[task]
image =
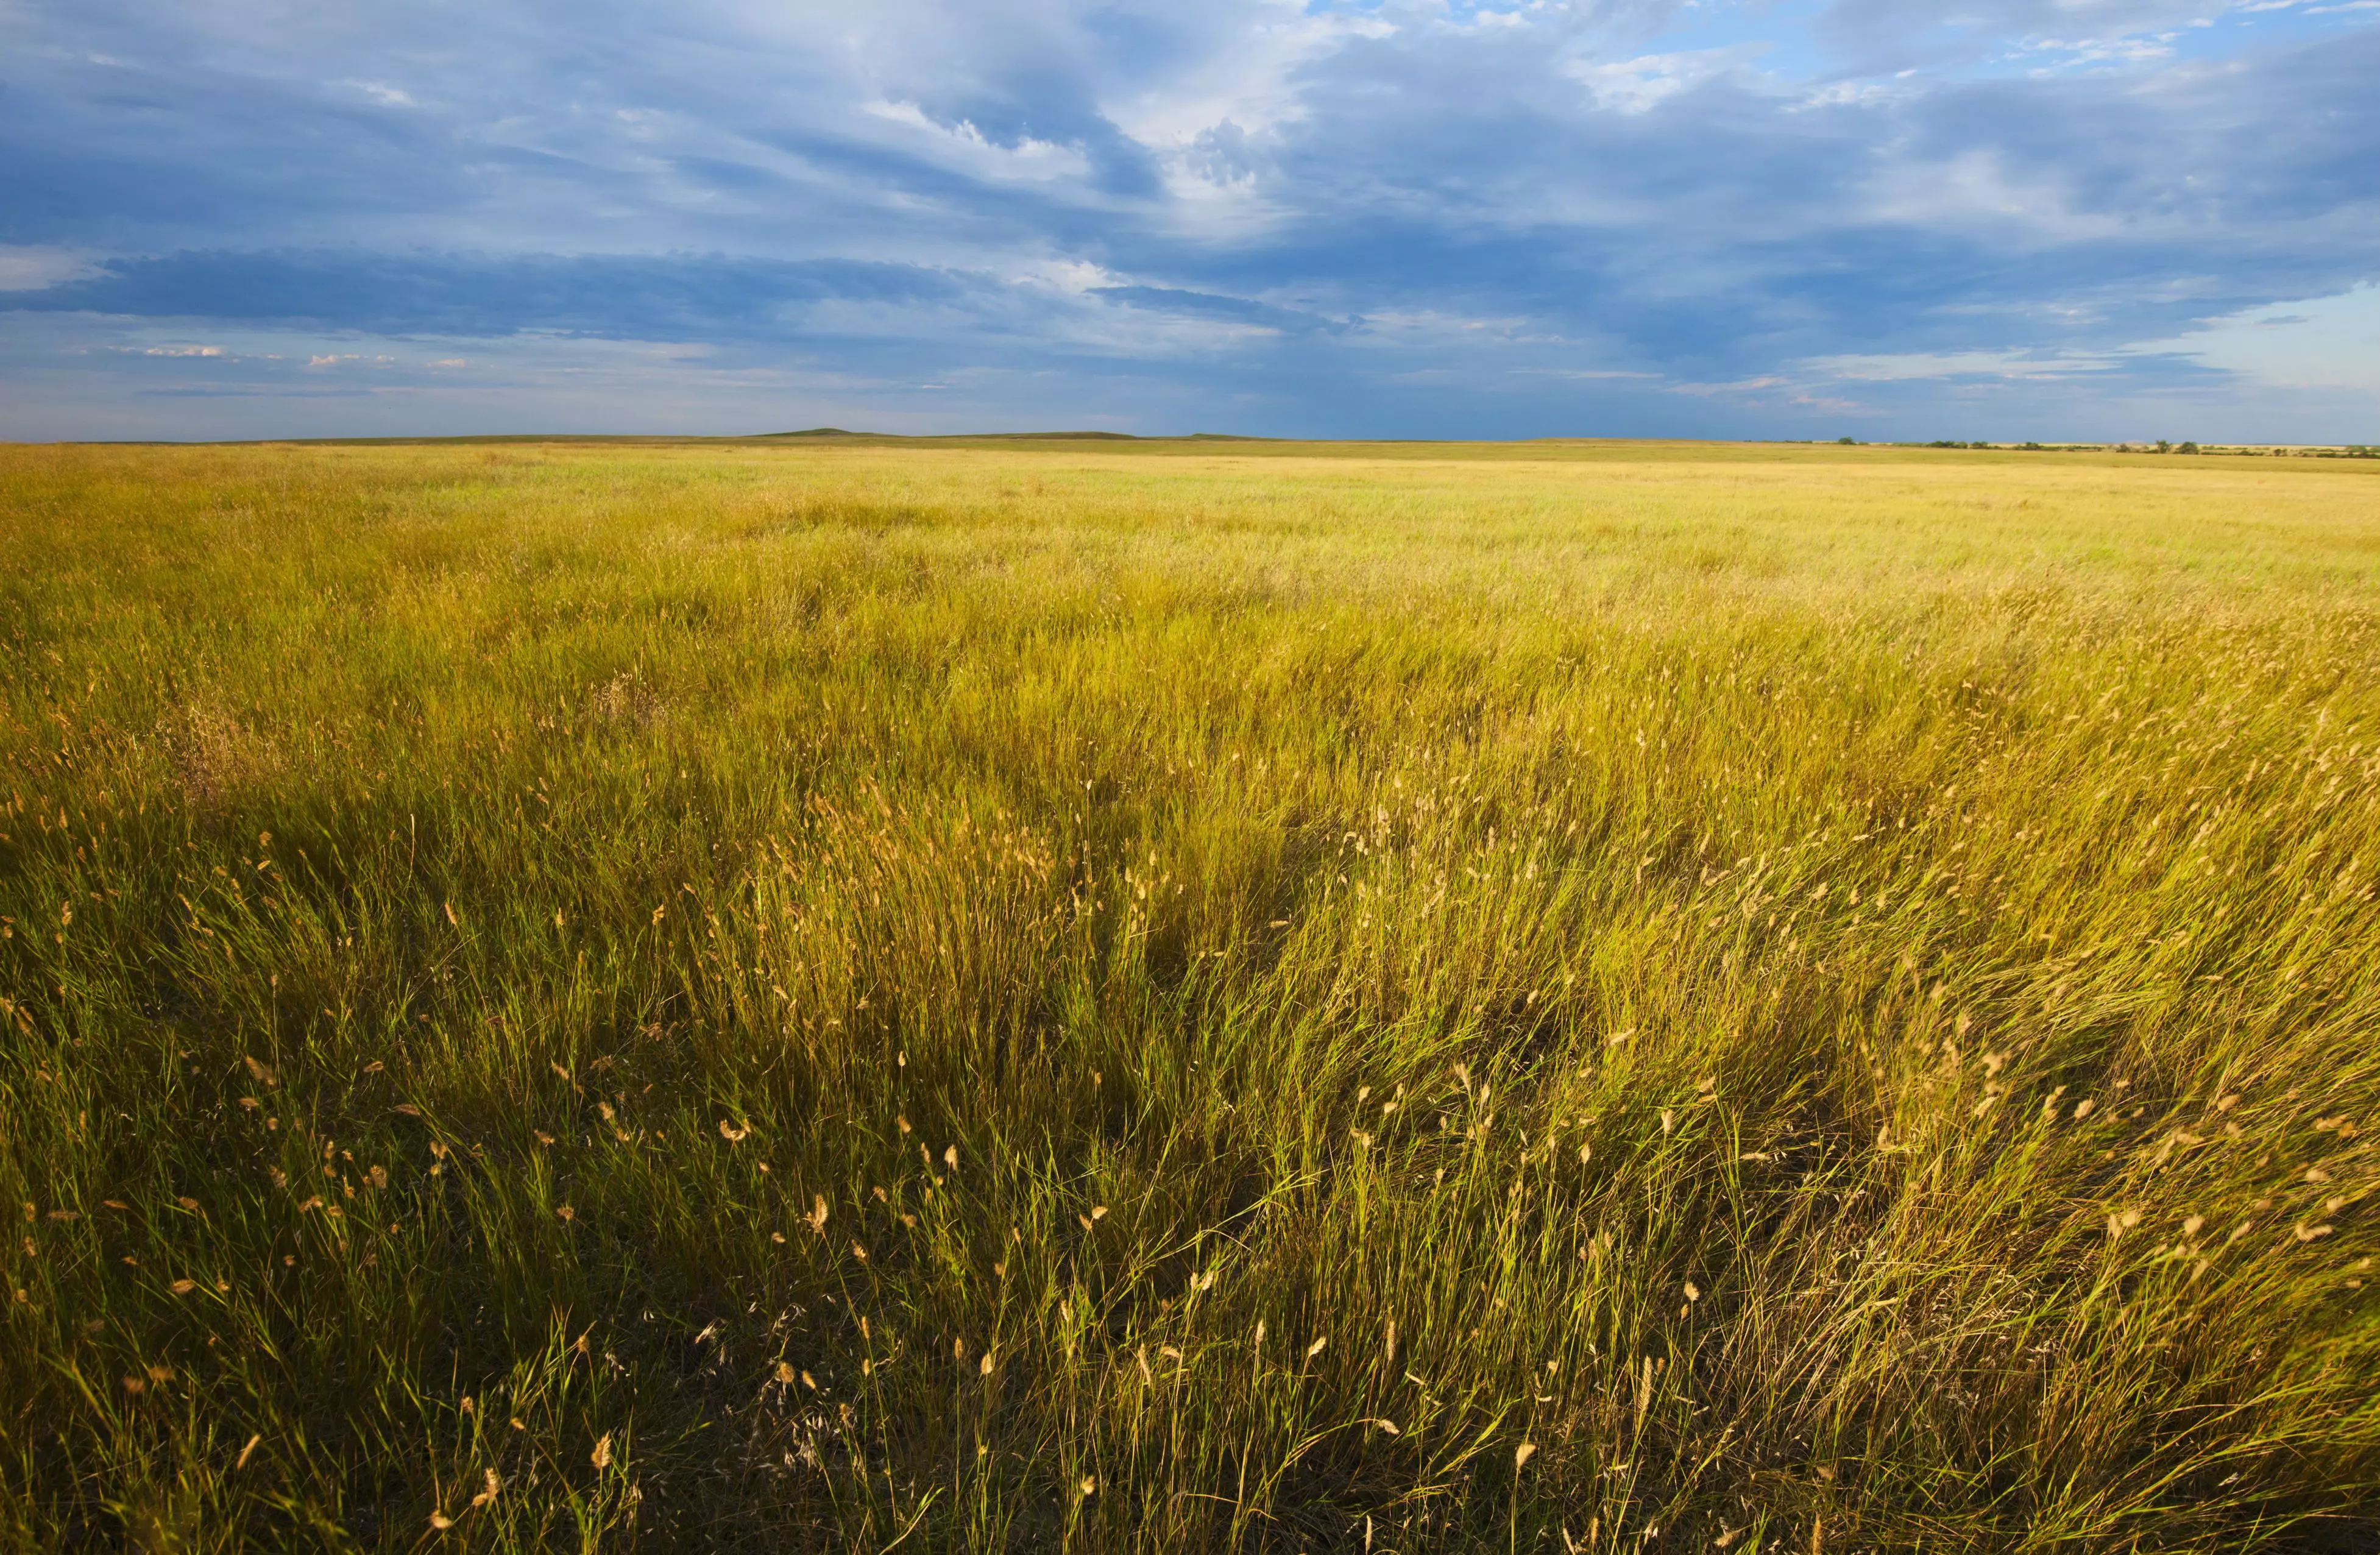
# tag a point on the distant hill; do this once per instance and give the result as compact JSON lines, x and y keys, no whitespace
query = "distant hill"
{"x":805,"y":434}
{"x":1017,"y":437}
{"x":972,"y":437}
{"x":1052,"y":437}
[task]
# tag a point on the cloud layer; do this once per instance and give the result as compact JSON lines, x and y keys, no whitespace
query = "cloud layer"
{"x":2049,"y":218}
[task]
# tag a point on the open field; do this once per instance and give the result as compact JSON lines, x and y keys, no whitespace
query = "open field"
{"x":1188,"y":997}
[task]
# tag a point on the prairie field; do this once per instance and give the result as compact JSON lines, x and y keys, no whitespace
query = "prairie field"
{"x":1201,"y":996}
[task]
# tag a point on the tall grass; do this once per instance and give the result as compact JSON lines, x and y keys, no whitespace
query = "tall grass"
{"x":1067,"y":999}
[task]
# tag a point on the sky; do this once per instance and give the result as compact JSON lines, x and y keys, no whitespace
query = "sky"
{"x":1881,"y":219}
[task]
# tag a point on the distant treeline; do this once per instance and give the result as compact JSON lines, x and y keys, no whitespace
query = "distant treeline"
{"x":2341,"y":451}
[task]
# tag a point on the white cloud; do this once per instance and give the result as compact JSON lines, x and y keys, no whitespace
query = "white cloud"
{"x":31,"y":268}
{"x":1980,"y":186}
{"x":1026,"y":160}
{"x":1912,"y":366}
{"x":385,"y":95}
{"x":2082,"y":53}
{"x":2329,"y":342}
{"x":1635,"y":86}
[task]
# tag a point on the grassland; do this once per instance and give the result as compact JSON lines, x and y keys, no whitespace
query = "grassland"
{"x":1181,"y":997}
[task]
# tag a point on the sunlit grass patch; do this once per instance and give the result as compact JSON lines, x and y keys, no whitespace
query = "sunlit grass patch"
{"x":1589,"y":1000}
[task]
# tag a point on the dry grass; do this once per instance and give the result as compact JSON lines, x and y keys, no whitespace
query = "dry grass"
{"x":1568,"y":998}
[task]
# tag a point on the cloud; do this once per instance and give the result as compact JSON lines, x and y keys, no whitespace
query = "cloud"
{"x":1408,"y":214}
{"x":1645,"y":81}
{"x":33,"y":268}
{"x":616,"y":297}
{"x":2002,"y":365}
{"x":1879,"y":35}
{"x":2320,"y":343}
{"x":1230,"y":309}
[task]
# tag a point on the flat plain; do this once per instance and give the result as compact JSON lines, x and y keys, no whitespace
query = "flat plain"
{"x":1188,"y":997}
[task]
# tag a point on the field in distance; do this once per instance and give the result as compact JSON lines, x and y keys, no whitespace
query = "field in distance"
{"x":1188,"y":997}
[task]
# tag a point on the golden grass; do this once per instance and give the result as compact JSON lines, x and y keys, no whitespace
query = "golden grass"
{"x":1176,"y":997}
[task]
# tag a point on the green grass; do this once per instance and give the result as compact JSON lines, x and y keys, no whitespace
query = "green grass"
{"x":1185,"y":997}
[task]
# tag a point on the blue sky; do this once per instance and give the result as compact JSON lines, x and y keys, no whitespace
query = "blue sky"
{"x":1370,"y":218}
